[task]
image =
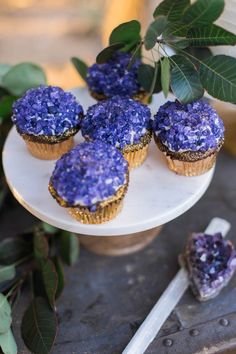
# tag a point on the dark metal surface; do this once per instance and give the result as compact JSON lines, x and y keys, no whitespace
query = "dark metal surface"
{"x":106,"y":298}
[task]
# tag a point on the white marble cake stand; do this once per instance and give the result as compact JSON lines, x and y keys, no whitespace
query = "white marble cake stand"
{"x":156,"y":195}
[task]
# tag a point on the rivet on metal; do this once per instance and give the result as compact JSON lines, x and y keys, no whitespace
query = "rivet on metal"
{"x":168,"y":342}
{"x":224,"y":322}
{"x":194,"y":332}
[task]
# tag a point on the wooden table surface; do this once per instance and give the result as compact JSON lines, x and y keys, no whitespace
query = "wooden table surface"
{"x":106,"y":298}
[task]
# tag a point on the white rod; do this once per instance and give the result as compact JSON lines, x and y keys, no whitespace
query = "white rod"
{"x":168,"y":300}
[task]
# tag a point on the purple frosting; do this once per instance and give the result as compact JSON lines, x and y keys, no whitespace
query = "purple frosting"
{"x":211,"y":261}
{"x":46,"y":110}
{"x":119,"y":121}
{"x":113,"y":77}
{"x":89,"y":173}
{"x":188,"y":127}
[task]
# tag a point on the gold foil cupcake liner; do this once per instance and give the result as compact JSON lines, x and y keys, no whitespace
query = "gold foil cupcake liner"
{"x":136,"y":154}
{"x":45,"y":151}
{"x":141,"y":96}
{"x":191,"y":168}
{"x":100,"y":216}
{"x":106,"y":210}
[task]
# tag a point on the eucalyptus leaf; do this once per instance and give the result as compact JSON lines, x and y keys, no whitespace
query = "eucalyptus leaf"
{"x":6,"y":106}
{"x":145,"y":77}
{"x":175,"y":29}
{"x":49,"y":229}
{"x":8,"y":343}
{"x":40,"y":246}
{"x":80,"y":66}
{"x":154,"y":31}
{"x":50,"y":280}
{"x":7,"y":272}
{"x":4,"y":68}
{"x":127,"y":33}
{"x":60,"y":275}
{"x":210,"y":35}
{"x":13,"y":249}
{"x":108,"y":52}
{"x":165,"y":75}
{"x":69,"y":247}
{"x":185,"y":82}
{"x":203,"y":12}
{"x":5,"y":314}
{"x":172,"y":9}
{"x":39,"y":327}
{"x":23,"y":76}
{"x":218,"y":76}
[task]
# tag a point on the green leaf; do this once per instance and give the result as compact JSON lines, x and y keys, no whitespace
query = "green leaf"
{"x":23,"y":76}
{"x":50,"y":280}
{"x":154,"y":31}
{"x":136,"y":54}
{"x":165,"y":75}
{"x":5,"y":314}
{"x":127,"y":33}
{"x":69,"y":247}
{"x":175,"y":29}
{"x":13,"y":249}
{"x":210,"y":35}
{"x":172,"y":9}
{"x":40,"y":246}
{"x":6,"y":106}
{"x":218,"y":76}
{"x":203,"y":12}
{"x":198,"y":53}
{"x":80,"y":66}
{"x":8,"y":343}
{"x":185,"y":82}
{"x":146,"y":75}
{"x":60,"y":275}
{"x":4,"y":68}
{"x":7,"y":272}
{"x":49,"y":229}
{"x":107,"y":52}
{"x":39,"y":327}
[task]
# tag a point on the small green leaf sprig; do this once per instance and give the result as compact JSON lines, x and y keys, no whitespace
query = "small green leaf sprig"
{"x":35,"y":257}
{"x":188,"y":29}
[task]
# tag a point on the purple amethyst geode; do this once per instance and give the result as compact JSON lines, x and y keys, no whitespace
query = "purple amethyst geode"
{"x":188,"y":127}
{"x":113,"y":77}
{"x":89,"y":174}
{"x":119,"y":121}
{"x":211,"y":261}
{"x":46,"y":110}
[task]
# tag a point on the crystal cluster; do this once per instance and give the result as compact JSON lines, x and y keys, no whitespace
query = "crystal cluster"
{"x":88,"y":174}
{"x":188,"y":127}
{"x":113,"y":77}
{"x":119,"y":121}
{"x":211,"y":261}
{"x":46,"y":110}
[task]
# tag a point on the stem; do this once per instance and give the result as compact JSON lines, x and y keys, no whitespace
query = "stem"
{"x":154,"y":76}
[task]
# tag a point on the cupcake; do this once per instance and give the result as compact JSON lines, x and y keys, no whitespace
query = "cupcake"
{"x":91,"y":181}
{"x":113,"y":78}
{"x":123,"y":123}
{"x":190,"y":135}
{"x":47,"y":118}
{"x":211,"y":262}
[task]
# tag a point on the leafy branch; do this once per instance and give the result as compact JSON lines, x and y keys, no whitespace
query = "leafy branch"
{"x":36,"y":257}
{"x":188,"y":29}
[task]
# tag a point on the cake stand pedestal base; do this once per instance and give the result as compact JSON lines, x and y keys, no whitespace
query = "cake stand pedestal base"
{"x":119,"y":245}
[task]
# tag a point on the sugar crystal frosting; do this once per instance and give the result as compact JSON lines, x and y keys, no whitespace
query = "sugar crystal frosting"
{"x":188,"y":127}
{"x":88,"y":174}
{"x":113,"y":77}
{"x":46,"y":110}
{"x":119,"y":121}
